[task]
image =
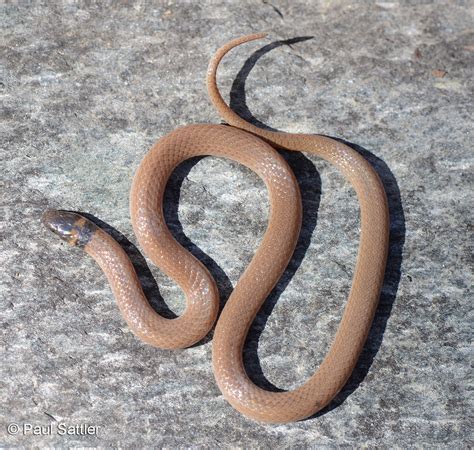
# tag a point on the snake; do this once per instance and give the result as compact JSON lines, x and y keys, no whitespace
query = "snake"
{"x":257,"y":149}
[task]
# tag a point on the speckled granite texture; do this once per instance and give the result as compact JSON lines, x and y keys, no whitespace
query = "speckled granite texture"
{"x":86,"y":90}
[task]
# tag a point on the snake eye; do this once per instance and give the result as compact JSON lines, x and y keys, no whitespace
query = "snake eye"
{"x":70,"y":227}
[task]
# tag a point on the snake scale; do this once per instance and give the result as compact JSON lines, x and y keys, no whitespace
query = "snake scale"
{"x":254,"y":148}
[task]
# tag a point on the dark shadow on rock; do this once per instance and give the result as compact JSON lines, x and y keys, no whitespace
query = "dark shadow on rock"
{"x":170,"y":210}
{"x":391,"y":278}
{"x":310,"y":187}
{"x":310,"y":190}
{"x":238,"y":97}
{"x":147,"y":280}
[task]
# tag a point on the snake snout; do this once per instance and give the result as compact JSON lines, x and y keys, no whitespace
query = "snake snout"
{"x":70,"y":227}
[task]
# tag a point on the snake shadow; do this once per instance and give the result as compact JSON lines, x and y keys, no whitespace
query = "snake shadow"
{"x":147,"y":280}
{"x":310,"y":185}
{"x":170,"y":210}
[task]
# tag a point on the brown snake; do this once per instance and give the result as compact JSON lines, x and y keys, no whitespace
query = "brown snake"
{"x":252,"y":147}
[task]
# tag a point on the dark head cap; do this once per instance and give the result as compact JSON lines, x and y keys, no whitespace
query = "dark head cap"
{"x":71,"y":227}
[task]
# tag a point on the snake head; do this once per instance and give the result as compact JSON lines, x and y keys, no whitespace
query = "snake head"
{"x":71,"y":227}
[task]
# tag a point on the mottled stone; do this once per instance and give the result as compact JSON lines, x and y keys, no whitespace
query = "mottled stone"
{"x":86,"y":91}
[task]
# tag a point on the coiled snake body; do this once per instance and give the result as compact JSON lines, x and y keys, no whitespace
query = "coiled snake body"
{"x":252,"y":147}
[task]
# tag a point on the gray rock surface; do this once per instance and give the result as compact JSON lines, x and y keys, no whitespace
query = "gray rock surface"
{"x":86,"y":90}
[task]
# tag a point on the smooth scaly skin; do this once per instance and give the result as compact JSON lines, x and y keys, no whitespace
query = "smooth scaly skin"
{"x":239,"y":312}
{"x":265,"y":268}
{"x":154,"y":237}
